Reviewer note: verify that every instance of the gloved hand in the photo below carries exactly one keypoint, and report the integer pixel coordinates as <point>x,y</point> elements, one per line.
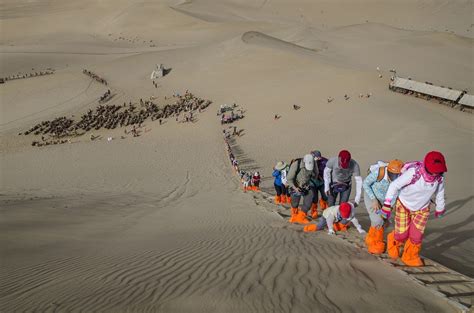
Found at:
<point>361,231</point>
<point>386,212</point>
<point>440,214</point>
<point>331,232</point>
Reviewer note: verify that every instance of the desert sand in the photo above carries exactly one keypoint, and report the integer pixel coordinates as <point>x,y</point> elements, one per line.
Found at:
<point>159,222</point>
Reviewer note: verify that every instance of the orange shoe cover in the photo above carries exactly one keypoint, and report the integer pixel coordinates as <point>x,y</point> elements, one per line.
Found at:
<point>300,218</point>
<point>340,226</point>
<point>323,204</point>
<point>393,246</point>
<point>310,228</point>
<point>277,199</point>
<point>370,238</point>
<point>314,211</point>
<point>294,212</point>
<point>377,246</point>
<point>411,254</point>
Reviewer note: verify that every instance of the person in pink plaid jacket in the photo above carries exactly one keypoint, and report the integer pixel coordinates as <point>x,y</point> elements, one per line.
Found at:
<point>416,185</point>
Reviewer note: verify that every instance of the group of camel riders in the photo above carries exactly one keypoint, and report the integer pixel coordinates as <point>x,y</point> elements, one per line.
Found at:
<point>405,188</point>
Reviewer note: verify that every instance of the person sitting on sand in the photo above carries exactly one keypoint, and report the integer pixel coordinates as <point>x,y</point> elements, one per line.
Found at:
<point>375,187</point>
<point>299,176</point>
<point>277,183</point>
<point>336,218</point>
<point>415,187</point>
<point>338,178</point>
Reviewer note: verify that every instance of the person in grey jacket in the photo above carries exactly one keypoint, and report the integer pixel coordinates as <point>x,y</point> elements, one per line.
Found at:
<point>299,176</point>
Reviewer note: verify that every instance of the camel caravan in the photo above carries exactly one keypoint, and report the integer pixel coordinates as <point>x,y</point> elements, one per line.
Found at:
<point>95,76</point>
<point>48,71</point>
<point>112,116</point>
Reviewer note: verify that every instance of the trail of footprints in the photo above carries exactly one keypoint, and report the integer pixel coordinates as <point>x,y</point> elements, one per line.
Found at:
<point>443,281</point>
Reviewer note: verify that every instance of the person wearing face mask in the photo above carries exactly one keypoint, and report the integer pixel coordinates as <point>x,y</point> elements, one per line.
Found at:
<point>416,185</point>
<point>338,178</point>
<point>375,188</point>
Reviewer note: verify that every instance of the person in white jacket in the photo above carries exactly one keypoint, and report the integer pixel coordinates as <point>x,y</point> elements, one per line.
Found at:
<point>338,178</point>
<point>415,187</point>
<point>335,218</point>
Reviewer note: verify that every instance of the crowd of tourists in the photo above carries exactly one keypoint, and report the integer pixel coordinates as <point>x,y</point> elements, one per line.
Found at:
<point>112,116</point>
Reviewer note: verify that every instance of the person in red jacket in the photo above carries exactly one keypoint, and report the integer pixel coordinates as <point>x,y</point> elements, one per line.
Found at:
<point>256,181</point>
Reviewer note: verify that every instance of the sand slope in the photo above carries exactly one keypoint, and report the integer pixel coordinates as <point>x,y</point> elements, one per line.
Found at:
<point>158,223</point>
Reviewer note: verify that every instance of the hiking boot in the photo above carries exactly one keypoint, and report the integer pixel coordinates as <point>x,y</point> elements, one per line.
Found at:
<point>377,246</point>
<point>393,246</point>
<point>411,253</point>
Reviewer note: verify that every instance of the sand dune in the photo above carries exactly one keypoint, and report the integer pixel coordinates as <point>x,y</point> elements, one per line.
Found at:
<point>158,222</point>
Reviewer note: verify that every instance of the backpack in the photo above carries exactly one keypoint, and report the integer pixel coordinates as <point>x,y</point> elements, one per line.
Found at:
<point>417,165</point>
<point>380,167</point>
<point>298,168</point>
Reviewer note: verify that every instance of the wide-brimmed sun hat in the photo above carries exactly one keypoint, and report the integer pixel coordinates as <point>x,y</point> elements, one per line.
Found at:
<point>280,165</point>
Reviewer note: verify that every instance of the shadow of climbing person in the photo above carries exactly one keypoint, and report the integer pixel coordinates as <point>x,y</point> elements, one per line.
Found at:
<point>441,239</point>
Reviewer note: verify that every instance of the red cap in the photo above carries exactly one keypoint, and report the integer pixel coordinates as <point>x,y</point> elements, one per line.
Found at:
<point>345,209</point>
<point>435,163</point>
<point>344,158</point>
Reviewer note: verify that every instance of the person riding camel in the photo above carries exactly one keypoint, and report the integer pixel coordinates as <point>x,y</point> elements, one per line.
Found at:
<point>416,185</point>
<point>336,218</point>
<point>375,188</point>
<point>338,178</point>
<point>299,176</point>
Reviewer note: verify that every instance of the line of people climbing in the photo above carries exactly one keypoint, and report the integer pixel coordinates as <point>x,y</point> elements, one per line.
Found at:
<point>403,188</point>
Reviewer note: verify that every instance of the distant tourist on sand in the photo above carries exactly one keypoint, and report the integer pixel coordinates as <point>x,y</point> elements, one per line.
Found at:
<point>277,183</point>
<point>416,185</point>
<point>246,182</point>
<point>256,181</point>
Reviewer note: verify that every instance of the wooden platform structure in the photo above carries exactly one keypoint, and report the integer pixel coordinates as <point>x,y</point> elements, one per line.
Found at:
<point>406,85</point>
<point>428,91</point>
<point>467,101</point>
